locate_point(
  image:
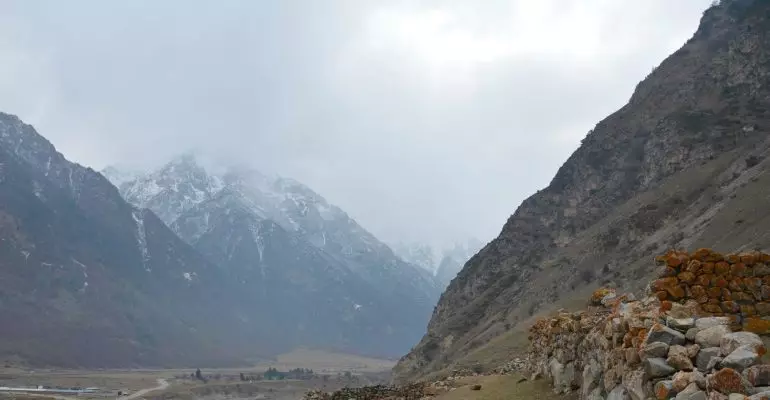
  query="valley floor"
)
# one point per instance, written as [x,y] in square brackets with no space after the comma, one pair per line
[333,370]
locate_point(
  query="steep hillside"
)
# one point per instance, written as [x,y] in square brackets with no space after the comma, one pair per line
[316,277]
[88,280]
[683,164]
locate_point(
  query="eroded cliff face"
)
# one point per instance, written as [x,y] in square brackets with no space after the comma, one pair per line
[681,165]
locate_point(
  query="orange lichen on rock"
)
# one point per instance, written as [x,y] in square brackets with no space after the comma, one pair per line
[727,381]
[748,258]
[721,268]
[686,277]
[599,294]
[757,325]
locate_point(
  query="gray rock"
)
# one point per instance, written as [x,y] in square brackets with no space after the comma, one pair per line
[712,337]
[692,392]
[681,324]
[665,335]
[635,383]
[563,375]
[690,335]
[657,368]
[704,357]
[742,358]
[708,322]
[758,375]
[595,394]
[760,389]
[715,363]
[734,340]
[760,396]
[618,393]
[655,349]
[736,396]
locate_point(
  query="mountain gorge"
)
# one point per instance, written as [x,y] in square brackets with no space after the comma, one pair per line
[443,264]
[682,165]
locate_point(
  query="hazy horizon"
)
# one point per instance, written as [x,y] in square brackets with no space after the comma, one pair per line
[427,122]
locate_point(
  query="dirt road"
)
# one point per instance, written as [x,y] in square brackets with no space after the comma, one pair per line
[162,384]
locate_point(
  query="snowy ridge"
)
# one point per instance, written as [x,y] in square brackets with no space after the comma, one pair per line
[185,196]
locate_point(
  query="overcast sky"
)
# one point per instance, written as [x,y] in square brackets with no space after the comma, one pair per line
[426,120]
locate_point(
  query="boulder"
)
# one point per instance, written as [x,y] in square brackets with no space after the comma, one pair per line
[727,381]
[709,322]
[657,368]
[690,335]
[664,334]
[681,324]
[716,396]
[712,337]
[680,361]
[734,340]
[742,358]
[679,358]
[692,350]
[654,350]
[760,396]
[704,357]
[682,379]
[758,375]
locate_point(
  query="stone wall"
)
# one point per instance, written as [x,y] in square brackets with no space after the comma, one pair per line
[671,344]
[734,285]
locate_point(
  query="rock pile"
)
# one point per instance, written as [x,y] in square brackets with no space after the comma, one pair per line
[406,392]
[668,345]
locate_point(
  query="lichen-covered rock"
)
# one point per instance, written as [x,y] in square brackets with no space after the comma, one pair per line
[758,375]
[679,360]
[682,379]
[727,381]
[734,340]
[664,390]
[712,337]
[705,356]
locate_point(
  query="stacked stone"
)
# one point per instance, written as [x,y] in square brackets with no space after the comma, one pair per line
[732,285]
[638,350]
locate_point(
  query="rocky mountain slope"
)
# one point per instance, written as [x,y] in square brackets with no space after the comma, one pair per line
[683,164]
[327,280]
[88,280]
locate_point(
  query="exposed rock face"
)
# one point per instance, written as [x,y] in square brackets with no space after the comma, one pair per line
[681,165]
